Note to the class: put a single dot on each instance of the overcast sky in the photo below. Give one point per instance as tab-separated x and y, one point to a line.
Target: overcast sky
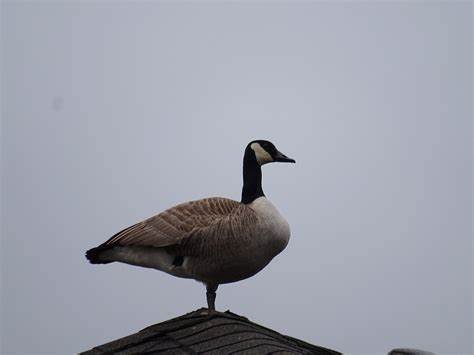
114	112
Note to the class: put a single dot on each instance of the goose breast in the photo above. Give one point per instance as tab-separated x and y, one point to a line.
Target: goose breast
273	228
243	247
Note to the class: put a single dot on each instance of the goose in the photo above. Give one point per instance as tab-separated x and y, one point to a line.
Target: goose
212	240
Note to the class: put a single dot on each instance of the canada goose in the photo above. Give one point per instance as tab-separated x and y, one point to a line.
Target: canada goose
214	240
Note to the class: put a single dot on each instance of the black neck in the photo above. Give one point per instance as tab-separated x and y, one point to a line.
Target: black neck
252	188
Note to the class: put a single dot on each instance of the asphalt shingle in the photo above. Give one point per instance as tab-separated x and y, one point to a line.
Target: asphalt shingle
200	333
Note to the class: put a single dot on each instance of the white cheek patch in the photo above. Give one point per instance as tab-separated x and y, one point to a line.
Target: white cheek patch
261	154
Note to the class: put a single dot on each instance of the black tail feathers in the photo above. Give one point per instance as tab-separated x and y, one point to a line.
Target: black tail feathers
94	255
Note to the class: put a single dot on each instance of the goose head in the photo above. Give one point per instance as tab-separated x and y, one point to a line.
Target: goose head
266	152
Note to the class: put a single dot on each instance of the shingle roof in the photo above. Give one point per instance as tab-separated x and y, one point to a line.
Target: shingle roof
199	333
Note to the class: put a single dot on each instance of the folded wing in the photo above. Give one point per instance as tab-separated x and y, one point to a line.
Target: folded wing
174	225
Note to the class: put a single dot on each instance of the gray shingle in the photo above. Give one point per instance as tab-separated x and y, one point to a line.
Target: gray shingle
218	333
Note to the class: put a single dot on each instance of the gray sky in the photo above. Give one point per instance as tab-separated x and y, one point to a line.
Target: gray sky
113	112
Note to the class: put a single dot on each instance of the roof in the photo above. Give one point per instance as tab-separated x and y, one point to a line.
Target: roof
217	333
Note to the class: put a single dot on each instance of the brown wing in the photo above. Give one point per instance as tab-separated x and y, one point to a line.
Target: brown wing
174	225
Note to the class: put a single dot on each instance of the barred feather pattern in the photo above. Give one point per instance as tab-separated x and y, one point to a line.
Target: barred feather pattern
192	228
218	240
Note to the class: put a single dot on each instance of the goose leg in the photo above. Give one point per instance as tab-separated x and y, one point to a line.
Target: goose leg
211	296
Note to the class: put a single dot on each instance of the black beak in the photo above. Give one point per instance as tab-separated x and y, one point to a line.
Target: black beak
280	157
